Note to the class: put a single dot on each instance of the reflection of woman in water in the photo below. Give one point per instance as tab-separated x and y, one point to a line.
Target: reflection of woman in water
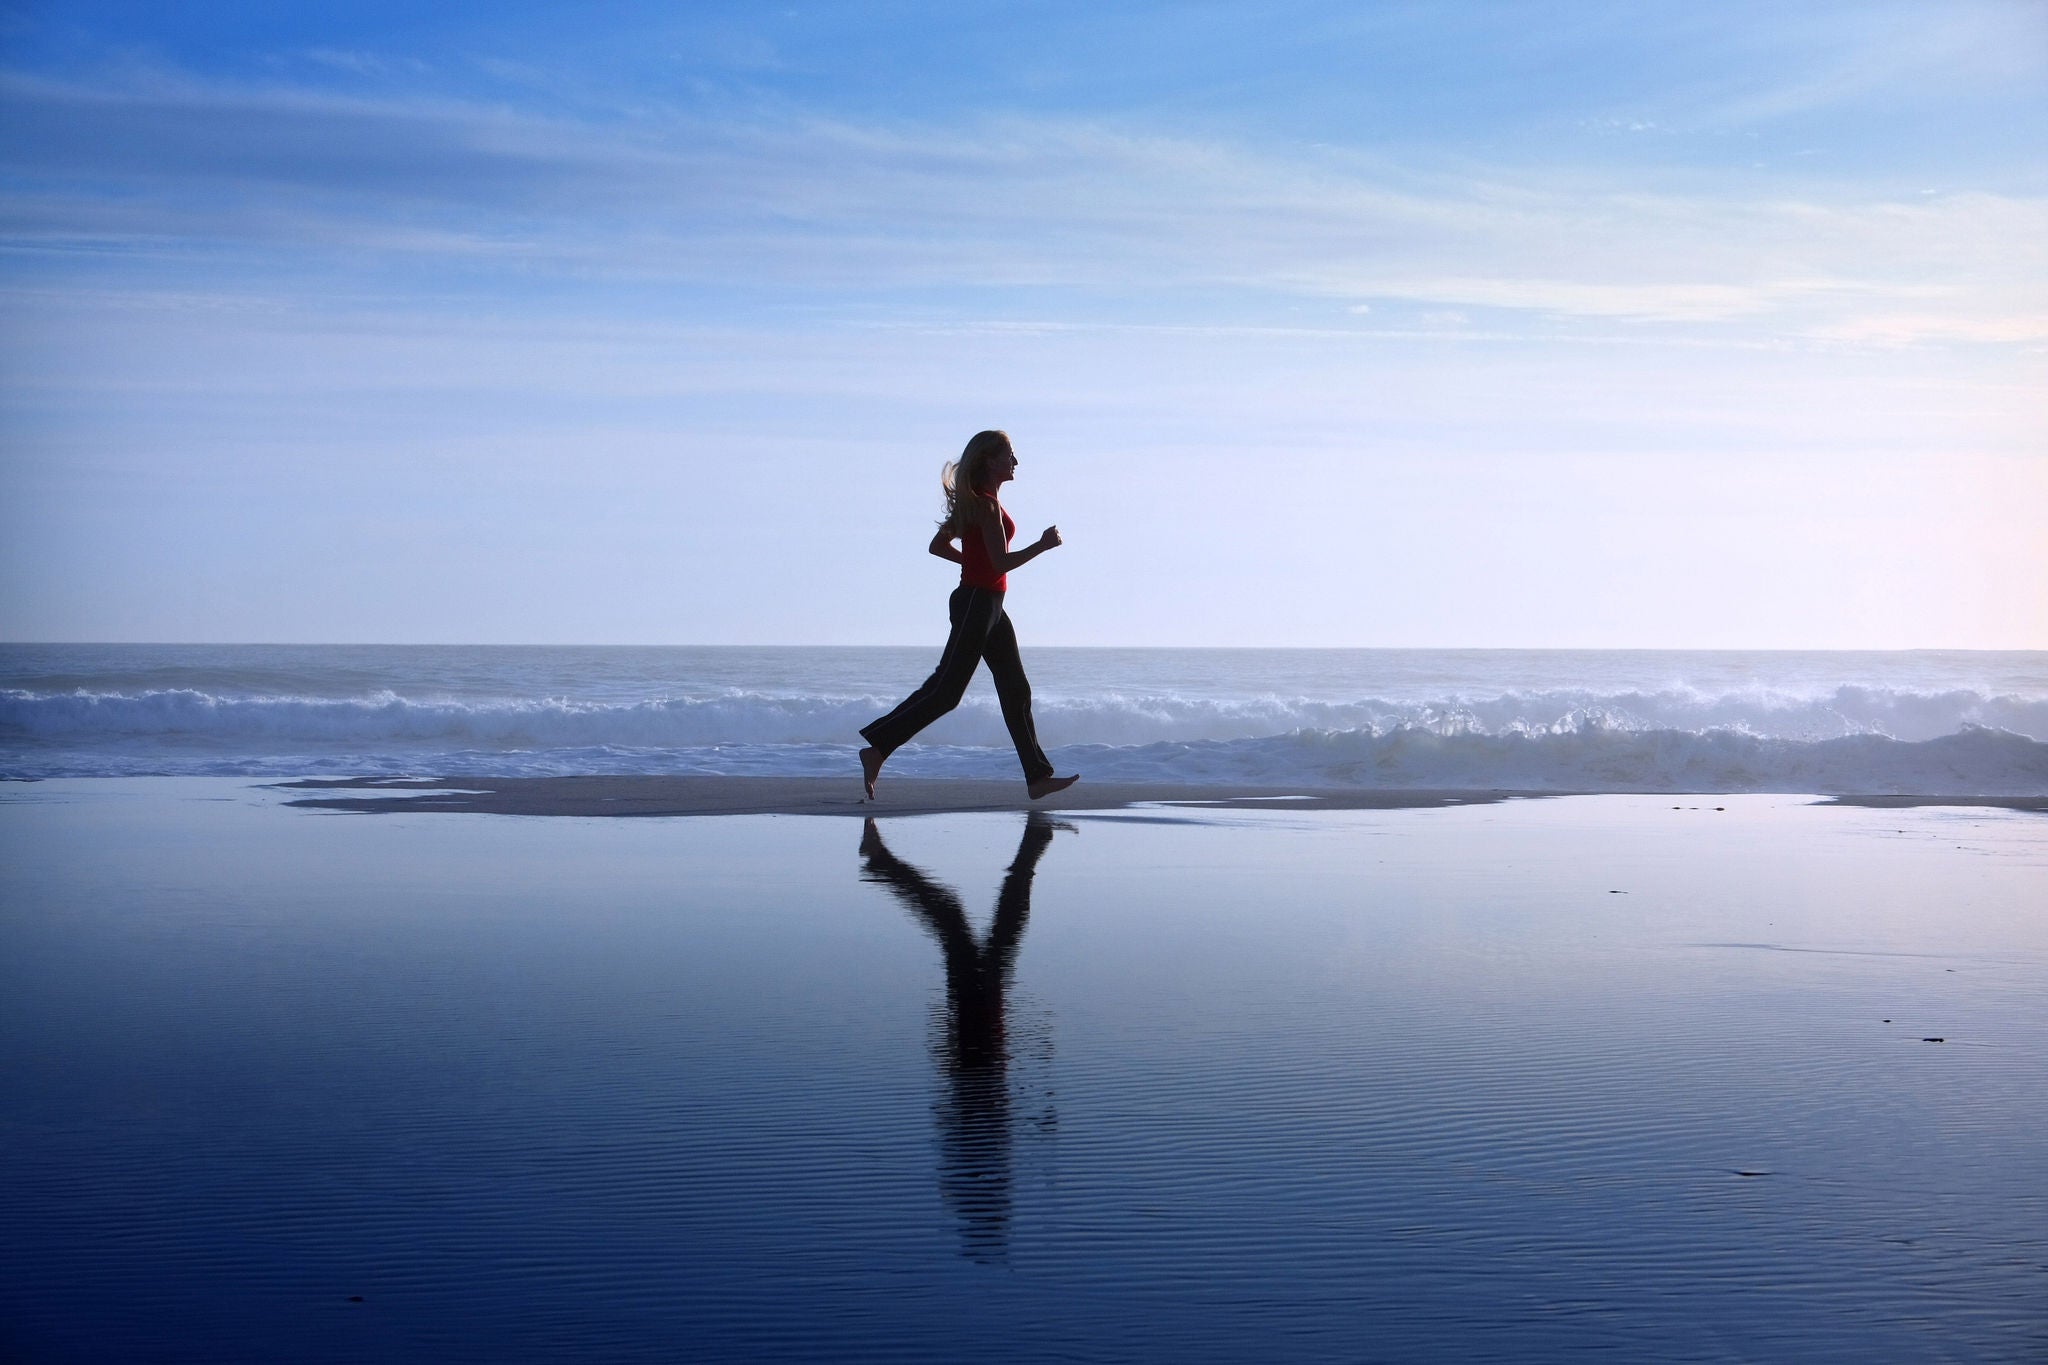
981	629
974	1118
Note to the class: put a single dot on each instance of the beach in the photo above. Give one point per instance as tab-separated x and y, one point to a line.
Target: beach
548	549
676	796
479	1003
1158	1075
619	795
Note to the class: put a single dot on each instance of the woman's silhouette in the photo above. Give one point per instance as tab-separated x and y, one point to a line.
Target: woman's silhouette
981	629
974	1118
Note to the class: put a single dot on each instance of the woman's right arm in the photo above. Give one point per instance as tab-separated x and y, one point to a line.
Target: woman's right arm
942	545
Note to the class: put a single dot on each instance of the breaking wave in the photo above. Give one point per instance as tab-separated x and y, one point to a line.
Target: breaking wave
1850	739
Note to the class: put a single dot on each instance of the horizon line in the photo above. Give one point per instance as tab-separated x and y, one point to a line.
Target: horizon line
925	644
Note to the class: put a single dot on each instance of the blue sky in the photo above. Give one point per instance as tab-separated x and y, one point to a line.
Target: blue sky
1518	324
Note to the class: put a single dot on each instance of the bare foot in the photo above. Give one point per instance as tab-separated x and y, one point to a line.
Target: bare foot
870	769
1046	786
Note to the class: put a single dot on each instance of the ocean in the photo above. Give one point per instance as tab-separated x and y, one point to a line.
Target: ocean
1913	722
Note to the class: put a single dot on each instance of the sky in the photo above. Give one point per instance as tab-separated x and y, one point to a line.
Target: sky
1530	324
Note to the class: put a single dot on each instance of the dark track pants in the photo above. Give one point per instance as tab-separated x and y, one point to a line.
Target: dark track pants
981	632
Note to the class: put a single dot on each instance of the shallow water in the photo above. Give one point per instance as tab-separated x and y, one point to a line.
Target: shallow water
1542	1080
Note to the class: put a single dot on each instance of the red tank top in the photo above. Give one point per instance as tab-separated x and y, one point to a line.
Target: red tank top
976	570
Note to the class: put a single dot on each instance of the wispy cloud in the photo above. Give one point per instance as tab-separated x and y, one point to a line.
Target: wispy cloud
1902	52
365	63
181	166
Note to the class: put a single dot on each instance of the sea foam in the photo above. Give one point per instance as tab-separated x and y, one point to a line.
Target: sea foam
1848	739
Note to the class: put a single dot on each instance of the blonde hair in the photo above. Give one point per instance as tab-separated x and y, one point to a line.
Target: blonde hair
968	473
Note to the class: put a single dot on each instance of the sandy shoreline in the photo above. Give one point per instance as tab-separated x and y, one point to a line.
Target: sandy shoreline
671	795
703	795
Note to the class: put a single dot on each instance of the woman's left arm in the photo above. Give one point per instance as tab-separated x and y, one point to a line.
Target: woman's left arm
1007	560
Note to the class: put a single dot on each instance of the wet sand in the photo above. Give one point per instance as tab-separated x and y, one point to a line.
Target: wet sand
825	796
649	795
1633	1078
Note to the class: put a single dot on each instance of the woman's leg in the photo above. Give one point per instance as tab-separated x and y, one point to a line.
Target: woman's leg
973	611
1013	690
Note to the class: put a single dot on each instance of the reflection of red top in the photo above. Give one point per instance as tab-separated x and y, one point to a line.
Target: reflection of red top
975	569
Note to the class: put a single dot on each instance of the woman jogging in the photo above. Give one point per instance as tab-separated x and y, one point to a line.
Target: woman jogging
981	629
